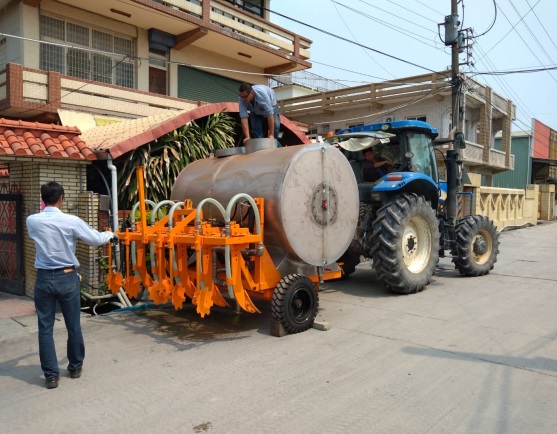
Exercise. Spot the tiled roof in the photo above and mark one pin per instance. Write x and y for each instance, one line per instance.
(34, 139)
(122, 137)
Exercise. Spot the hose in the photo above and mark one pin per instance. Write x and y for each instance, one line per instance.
(199, 257)
(227, 233)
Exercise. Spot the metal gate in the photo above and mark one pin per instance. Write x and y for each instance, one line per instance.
(11, 239)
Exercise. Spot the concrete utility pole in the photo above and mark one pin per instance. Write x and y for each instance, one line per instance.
(455, 86)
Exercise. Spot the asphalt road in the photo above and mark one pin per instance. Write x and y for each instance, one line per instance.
(467, 355)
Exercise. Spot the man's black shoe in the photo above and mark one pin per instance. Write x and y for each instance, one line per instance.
(52, 382)
(75, 374)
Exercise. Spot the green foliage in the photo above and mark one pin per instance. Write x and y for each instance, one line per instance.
(166, 157)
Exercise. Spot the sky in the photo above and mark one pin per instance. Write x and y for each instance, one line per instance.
(522, 35)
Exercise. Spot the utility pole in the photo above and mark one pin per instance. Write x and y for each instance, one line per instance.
(455, 85)
(452, 157)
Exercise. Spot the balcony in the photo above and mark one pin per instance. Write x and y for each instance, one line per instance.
(27, 93)
(474, 157)
(220, 27)
(371, 96)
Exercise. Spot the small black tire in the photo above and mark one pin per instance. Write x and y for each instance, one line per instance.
(405, 243)
(295, 303)
(476, 247)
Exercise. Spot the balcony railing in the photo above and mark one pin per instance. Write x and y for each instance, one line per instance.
(26, 92)
(473, 155)
(369, 95)
(239, 20)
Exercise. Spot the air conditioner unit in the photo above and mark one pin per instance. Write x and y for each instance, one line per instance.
(389, 118)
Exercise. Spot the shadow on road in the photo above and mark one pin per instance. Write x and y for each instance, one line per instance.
(537, 364)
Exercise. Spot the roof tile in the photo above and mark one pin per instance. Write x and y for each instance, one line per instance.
(35, 139)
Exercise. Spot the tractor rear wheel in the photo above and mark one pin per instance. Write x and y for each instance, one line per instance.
(405, 243)
(477, 246)
(295, 302)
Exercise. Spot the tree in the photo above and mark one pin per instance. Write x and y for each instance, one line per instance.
(164, 158)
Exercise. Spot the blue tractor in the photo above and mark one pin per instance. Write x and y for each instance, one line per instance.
(408, 217)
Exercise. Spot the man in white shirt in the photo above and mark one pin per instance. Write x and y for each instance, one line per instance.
(55, 234)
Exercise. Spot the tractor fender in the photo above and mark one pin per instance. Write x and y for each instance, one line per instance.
(409, 182)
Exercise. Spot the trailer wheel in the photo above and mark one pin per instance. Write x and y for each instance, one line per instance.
(405, 243)
(295, 302)
(477, 246)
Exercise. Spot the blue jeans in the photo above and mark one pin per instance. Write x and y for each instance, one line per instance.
(256, 125)
(52, 286)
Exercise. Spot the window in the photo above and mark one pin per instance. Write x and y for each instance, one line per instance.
(3, 54)
(113, 64)
(157, 71)
(416, 118)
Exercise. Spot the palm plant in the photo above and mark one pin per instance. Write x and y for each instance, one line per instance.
(164, 158)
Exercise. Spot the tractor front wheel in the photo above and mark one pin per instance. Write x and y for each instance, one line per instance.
(405, 243)
(295, 302)
(477, 246)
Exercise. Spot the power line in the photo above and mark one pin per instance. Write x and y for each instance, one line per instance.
(542, 26)
(429, 7)
(398, 16)
(390, 26)
(349, 41)
(512, 28)
(412, 11)
(365, 51)
(492, 23)
(519, 71)
(533, 36)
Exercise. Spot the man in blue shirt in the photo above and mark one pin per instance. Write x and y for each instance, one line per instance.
(372, 169)
(55, 235)
(261, 103)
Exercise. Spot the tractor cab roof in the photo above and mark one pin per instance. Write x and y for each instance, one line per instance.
(394, 127)
(355, 142)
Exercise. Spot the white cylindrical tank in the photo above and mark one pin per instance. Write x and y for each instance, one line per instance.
(310, 192)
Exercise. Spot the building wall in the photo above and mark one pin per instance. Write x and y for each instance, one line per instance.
(34, 172)
(520, 177)
(10, 23)
(542, 134)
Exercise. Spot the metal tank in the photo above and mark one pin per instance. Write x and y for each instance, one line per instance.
(310, 192)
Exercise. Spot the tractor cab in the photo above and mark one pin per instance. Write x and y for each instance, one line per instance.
(404, 146)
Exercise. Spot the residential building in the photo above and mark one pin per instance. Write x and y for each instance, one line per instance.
(144, 64)
(425, 97)
(135, 58)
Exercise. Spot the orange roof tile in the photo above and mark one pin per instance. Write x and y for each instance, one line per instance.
(35, 139)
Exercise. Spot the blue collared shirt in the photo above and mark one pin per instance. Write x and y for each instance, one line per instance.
(263, 104)
(55, 234)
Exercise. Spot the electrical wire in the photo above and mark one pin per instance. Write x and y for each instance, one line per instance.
(353, 36)
(349, 41)
(492, 23)
(408, 33)
(506, 34)
(542, 26)
(533, 36)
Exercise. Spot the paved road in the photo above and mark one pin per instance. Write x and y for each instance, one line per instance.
(467, 355)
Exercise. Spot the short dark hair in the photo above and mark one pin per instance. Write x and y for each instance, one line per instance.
(245, 87)
(51, 192)
(368, 150)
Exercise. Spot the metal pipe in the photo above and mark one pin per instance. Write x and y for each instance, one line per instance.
(114, 197)
(199, 259)
(231, 203)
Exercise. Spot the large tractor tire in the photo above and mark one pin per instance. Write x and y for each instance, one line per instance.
(477, 246)
(405, 243)
(295, 302)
